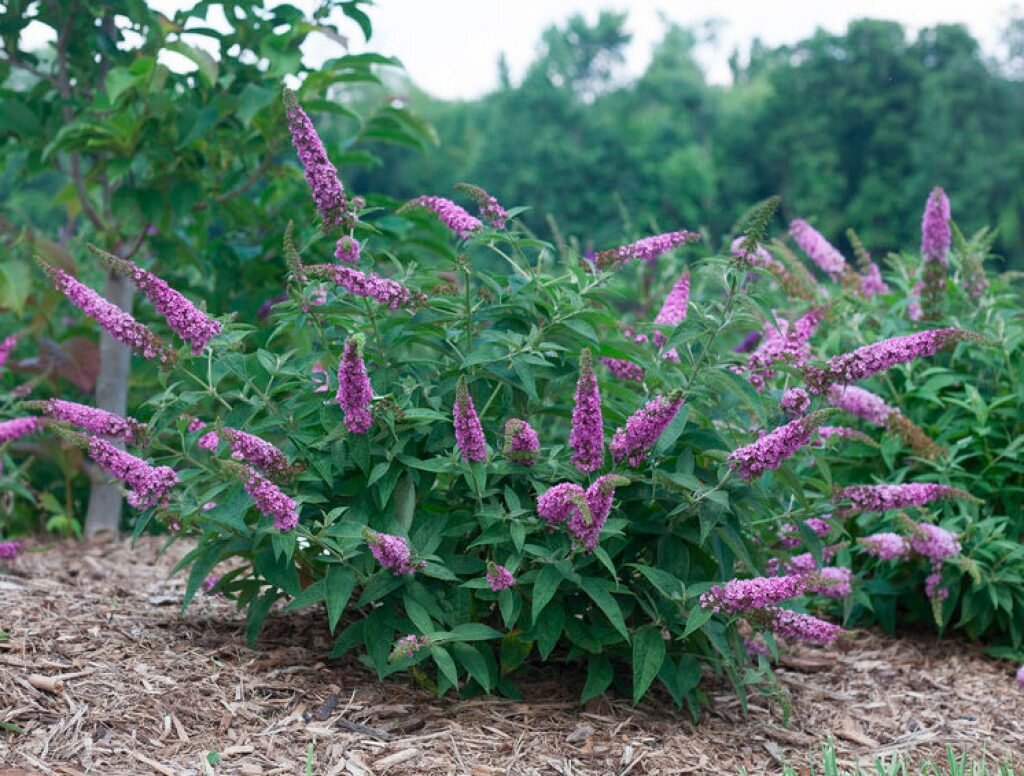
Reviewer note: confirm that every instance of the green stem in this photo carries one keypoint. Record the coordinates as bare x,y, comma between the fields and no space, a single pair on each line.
469,313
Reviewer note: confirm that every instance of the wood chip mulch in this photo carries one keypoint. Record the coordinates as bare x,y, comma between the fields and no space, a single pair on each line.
102,676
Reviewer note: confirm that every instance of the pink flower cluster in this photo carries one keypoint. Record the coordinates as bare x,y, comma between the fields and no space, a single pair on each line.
935,232
879,498
95,421
624,369
490,209
347,250
6,346
258,452
587,436
789,533
321,175
469,434
15,428
184,318
758,257
803,627
393,553
834,582
817,248
772,449
647,249
408,646
842,432
871,283
354,393
499,577
111,318
583,511
885,545
521,442
642,430
795,402
270,500
744,595
673,309
933,542
869,360
149,486
461,223
860,403
10,550
788,343
386,291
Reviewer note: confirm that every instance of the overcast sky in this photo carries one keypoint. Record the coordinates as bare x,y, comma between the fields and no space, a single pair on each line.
450,47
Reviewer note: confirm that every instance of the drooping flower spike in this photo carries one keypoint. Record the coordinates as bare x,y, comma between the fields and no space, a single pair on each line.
455,217
857,499
772,449
270,500
354,393
490,209
149,486
6,346
869,360
499,578
392,553
744,595
587,436
95,421
818,249
637,438
112,319
885,546
184,318
861,403
673,309
16,428
256,451
624,369
647,249
469,434
321,175
787,343
384,290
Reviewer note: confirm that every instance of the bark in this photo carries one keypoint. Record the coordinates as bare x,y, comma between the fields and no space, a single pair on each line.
105,499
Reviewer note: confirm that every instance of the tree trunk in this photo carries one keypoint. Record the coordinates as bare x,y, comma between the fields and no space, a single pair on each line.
112,395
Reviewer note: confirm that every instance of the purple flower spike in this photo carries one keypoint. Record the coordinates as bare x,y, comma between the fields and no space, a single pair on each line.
384,290
817,248
673,310
469,434
393,553
744,595
10,550
321,175
270,500
149,485
885,546
6,346
93,420
624,370
803,627
347,250
521,442
933,542
461,223
758,257
935,232
586,526
258,452
795,402
647,249
15,428
354,390
772,449
643,429
587,436
499,577
879,498
860,403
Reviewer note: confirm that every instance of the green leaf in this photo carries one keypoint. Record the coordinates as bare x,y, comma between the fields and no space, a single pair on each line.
698,616
598,590
475,631
15,285
648,655
668,585
313,594
544,588
474,663
258,610
599,677
252,100
445,664
338,586
207,65
419,616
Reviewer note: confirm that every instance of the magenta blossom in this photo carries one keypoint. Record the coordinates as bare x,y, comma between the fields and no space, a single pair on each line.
795,402
885,546
1020,677
469,434
321,175
585,525
787,343
499,577
93,420
879,498
817,248
772,449
802,627
6,346
935,231
933,542
757,255
270,500
623,369
321,379
643,429
347,250
15,428
521,442
673,309
587,436
393,553
10,550
860,403
354,390
461,223
112,319
387,292
869,360
871,283
209,441
834,582
647,249
258,452
150,486
744,595
490,209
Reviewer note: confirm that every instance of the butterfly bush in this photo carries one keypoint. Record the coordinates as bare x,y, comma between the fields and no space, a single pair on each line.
378,507
817,248
95,421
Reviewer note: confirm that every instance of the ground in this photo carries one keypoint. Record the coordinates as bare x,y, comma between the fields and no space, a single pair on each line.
147,691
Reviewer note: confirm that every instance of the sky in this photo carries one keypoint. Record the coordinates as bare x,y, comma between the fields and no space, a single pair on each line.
450,47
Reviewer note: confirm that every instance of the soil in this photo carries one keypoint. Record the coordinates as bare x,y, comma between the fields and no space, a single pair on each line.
102,675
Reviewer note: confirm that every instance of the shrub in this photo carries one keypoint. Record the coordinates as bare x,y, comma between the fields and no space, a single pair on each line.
606,527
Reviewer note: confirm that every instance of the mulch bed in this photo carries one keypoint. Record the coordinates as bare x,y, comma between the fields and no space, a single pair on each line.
146,691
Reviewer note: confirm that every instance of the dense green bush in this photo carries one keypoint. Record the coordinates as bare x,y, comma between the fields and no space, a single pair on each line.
437,546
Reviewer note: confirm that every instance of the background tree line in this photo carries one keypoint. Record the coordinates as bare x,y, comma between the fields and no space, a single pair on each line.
848,128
